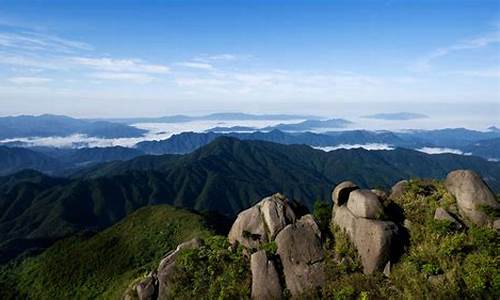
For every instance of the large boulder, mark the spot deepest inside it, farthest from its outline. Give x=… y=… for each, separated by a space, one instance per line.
x=147 y=288
x=341 y=192
x=365 y=204
x=166 y=268
x=472 y=195
x=277 y=213
x=265 y=279
x=398 y=189
x=261 y=223
x=373 y=239
x=301 y=254
x=249 y=229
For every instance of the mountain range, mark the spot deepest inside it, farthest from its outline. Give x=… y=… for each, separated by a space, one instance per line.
x=225 y=176
x=55 y=125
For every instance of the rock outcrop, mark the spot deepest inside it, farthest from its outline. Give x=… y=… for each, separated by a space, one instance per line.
x=301 y=254
x=265 y=278
x=473 y=196
x=398 y=189
x=147 y=288
x=341 y=192
x=166 y=268
x=372 y=238
x=261 y=223
x=365 y=204
x=299 y=249
x=443 y=215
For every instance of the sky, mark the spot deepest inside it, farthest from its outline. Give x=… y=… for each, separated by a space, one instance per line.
x=332 y=58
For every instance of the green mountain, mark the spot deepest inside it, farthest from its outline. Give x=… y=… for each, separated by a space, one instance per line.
x=54 y=125
x=103 y=265
x=59 y=161
x=15 y=159
x=225 y=176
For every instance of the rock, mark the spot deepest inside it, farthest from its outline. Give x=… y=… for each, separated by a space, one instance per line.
x=471 y=194
x=407 y=224
x=249 y=229
x=344 y=218
x=442 y=214
x=387 y=269
x=277 y=213
x=166 y=268
x=147 y=288
x=382 y=196
x=265 y=279
x=261 y=223
x=301 y=254
x=398 y=189
x=496 y=224
x=341 y=192
x=365 y=204
x=372 y=238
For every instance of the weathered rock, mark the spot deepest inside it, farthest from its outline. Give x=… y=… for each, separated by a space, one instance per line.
x=365 y=204
x=166 y=268
x=344 y=218
x=442 y=214
x=147 y=288
x=249 y=229
x=301 y=254
x=387 y=269
x=341 y=192
x=262 y=222
x=398 y=189
x=265 y=279
x=277 y=213
x=496 y=224
x=372 y=238
x=382 y=196
x=471 y=194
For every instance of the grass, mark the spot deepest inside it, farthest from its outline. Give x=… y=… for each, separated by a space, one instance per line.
x=102 y=266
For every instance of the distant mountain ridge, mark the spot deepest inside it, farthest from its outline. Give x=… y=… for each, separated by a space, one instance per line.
x=55 y=125
x=213 y=117
x=457 y=138
x=63 y=161
x=401 y=116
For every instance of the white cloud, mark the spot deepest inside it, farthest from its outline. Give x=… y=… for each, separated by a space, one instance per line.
x=196 y=65
x=130 y=77
x=32 y=41
x=425 y=62
x=438 y=150
x=221 y=57
x=370 y=146
x=120 y=65
x=29 y=80
x=489 y=73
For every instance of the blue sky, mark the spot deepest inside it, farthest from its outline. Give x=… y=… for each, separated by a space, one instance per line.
x=137 y=58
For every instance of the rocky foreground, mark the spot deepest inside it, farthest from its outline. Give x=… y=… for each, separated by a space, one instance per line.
x=373 y=237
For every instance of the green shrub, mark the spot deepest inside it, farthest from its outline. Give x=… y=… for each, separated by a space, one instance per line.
x=430 y=269
x=214 y=271
x=322 y=213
